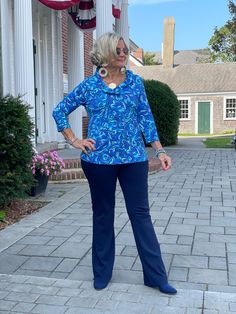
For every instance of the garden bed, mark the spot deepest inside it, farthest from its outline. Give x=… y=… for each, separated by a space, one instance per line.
x=19 y=209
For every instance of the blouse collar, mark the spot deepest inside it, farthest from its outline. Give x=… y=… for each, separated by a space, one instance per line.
x=128 y=80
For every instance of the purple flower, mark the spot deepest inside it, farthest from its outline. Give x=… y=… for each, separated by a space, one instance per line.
x=47 y=163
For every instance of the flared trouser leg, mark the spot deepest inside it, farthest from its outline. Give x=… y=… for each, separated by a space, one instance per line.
x=102 y=182
x=133 y=179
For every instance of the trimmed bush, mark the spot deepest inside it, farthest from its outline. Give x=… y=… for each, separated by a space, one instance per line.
x=16 y=130
x=165 y=109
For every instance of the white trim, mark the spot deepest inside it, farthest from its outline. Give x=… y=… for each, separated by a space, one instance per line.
x=38 y=68
x=224 y=111
x=38 y=80
x=211 y=115
x=65 y=83
x=135 y=61
x=7 y=44
x=45 y=79
x=23 y=53
x=196 y=117
x=189 y=108
x=205 y=94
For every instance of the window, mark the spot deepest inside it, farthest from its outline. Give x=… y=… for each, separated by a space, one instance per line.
x=184 y=109
x=230 y=108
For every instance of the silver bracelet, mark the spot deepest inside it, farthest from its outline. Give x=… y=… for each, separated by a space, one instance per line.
x=159 y=151
x=71 y=142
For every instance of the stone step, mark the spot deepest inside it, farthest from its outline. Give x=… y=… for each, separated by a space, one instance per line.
x=73 y=171
x=78 y=296
x=72 y=163
x=68 y=175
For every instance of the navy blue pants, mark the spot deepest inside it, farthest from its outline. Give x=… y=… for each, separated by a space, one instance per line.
x=133 y=179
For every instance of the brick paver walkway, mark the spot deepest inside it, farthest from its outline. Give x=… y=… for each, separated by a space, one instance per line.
x=45 y=259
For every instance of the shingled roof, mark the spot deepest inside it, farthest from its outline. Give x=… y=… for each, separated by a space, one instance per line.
x=184 y=56
x=193 y=78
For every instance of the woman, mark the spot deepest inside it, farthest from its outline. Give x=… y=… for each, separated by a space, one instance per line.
x=119 y=114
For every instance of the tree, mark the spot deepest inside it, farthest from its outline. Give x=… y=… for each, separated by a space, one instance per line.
x=16 y=130
x=148 y=58
x=223 y=41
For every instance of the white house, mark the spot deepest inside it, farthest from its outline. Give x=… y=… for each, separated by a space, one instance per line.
x=31 y=54
x=206 y=91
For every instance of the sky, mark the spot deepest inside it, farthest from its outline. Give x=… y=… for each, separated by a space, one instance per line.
x=195 y=21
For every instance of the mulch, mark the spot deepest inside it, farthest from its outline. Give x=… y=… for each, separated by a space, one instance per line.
x=19 y=209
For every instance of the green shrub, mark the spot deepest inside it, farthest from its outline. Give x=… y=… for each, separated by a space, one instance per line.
x=166 y=110
x=16 y=130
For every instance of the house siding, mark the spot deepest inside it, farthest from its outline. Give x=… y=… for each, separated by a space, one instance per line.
x=207 y=82
x=219 y=124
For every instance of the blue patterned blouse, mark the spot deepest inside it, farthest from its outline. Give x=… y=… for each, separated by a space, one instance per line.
x=117 y=118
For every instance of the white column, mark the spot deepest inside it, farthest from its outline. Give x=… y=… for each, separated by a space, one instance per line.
x=104 y=18
x=46 y=78
x=23 y=46
x=7 y=46
x=60 y=54
x=75 y=71
x=57 y=72
x=122 y=24
x=38 y=71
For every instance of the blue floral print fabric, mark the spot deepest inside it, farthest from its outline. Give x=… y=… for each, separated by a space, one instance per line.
x=117 y=119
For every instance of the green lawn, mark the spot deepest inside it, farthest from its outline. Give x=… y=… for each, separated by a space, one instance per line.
x=219 y=142
x=197 y=135
x=207 y=134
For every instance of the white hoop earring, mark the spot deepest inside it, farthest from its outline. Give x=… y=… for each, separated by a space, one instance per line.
x=103 y=72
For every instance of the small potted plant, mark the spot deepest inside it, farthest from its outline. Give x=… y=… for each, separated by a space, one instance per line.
x=42 y=166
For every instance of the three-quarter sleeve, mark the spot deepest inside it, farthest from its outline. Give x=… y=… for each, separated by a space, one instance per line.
x=146 y=120
x=70 y=102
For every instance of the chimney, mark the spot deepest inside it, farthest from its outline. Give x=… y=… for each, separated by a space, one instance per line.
x=168 y=49
x=139 y=54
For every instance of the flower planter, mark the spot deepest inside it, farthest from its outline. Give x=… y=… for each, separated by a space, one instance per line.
x=41 y=185
x=42 y=166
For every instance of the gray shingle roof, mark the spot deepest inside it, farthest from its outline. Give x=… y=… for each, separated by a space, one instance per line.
x=190 y=56
x=185 y=56
x=193 y=78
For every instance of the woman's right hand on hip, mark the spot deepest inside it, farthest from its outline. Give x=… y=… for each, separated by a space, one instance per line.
x=85 y=145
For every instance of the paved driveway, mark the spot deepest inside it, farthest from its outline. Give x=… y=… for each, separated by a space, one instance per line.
x=193 y=207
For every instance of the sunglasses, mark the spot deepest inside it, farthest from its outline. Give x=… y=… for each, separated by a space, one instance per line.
x=119 y=50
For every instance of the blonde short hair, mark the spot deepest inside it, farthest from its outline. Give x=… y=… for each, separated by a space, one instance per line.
x=104 y=47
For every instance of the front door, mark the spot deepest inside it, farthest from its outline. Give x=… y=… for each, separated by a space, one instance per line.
x=203 y=117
